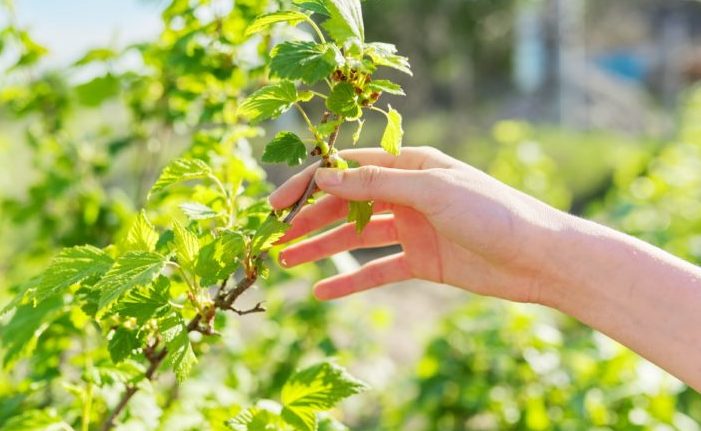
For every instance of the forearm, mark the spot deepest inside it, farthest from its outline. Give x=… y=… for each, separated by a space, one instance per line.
x=635 y=293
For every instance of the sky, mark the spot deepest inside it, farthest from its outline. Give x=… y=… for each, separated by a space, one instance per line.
x=70 y=27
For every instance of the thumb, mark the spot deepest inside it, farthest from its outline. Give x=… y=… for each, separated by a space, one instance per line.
x=369 y=183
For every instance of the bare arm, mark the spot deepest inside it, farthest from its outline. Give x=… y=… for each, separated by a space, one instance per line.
x=458 y=226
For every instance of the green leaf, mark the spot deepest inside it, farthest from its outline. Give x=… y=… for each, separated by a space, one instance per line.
x=198 y=211
x=392 y=137
x=360 y=213
x=19 y=336
x=256 y=419
x=313 y=390
x=386 y=86
x=96 y=91
x=316 y=6
x=145 y=302
x=187 y=246
x=122 y=344
x=136 y=268
x=96 y=55
x=343 y=101
x=267 y=234
x=219 y=259
x=181 y=170
x=311 y=62
x=181 y=358
x=141 y=236
x=286 y=147
x=385 y=54
x=264 y=21
x=345 y=20
x=22 y=290
x=269 y=102
x=71 y=266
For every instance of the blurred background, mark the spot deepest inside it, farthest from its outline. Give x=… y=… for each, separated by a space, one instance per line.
x=593 y=106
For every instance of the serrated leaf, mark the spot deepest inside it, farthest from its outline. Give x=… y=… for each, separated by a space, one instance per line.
x=267 y=234
x=308 y=61
x=198 y=211
x=264 y=21
x=313 y=390
x=392 y=137
x=359 y=212
x=343 y=100
x=142 y=235
x=345 y=20
x=181 y=170
x=256 y=419
x=22 y=290
x=136 y=268
x=385 y=54
x=316 y=6
x=269 y=102
x=187 y=246
x=220 y=258
x=181 y=358
x=386 y=86
x=71 y=266
x=286 y=147
x=145 y=302
x=19 y=336
x=122 y=344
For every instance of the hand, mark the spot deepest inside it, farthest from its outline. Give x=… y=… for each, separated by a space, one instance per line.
x=456 y=225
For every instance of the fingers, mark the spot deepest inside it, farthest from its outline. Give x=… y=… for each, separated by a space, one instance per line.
x=322 y=213
x=291 y=190
x=379 y=232
x=390 y=269
x=374 y=183
x=411 y=158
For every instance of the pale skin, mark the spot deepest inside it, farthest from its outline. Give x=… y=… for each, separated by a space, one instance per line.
x=458 y=226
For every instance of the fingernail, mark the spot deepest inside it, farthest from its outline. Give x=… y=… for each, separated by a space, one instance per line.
x=328 y=176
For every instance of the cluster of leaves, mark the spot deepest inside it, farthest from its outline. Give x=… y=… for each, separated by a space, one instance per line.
x=136 y=297
x=346 y=67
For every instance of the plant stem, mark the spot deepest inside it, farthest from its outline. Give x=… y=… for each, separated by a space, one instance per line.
x=224 y=299
x=317 y=30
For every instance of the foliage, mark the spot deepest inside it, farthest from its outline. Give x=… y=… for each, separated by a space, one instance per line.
x=104 y=293
x=139 y=294
x=511 y=366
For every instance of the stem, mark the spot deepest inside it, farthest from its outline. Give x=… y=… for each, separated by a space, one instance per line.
x=224 y=299
x=316 y=93
x=317 y=30
x=156 y=361
x=375 y=108
x=306 y=118
x=227 y=196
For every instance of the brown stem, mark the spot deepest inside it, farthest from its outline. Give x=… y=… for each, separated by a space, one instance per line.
x=224 y=300
x=155 y=362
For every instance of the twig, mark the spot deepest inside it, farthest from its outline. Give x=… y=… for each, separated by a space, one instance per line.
x=224 y=300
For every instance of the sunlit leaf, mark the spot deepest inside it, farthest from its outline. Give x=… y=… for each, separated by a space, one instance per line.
x=392 y=137
x=286 y=147
x=313 y=390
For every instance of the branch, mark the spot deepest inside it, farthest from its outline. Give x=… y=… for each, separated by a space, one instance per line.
x=224 y=300
x=155 y=361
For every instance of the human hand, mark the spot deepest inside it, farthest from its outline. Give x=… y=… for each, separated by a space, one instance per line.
x=455 y=224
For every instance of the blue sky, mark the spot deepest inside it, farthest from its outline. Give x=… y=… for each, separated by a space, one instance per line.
x=69 y=27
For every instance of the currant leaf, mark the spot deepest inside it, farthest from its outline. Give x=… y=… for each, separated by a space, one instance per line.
x=286 y=147
x=71 y=266
x=269 y=102
x=181 y=170
x=392 y=137
x=264 y=21
x=343 y=101
x=307 y=61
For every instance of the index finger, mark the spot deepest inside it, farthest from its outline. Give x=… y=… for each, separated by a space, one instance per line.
x=411 y=158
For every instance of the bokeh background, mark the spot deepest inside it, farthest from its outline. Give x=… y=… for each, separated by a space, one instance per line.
x=593 y=106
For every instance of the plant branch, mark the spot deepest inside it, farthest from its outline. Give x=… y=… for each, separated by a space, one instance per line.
x=224 y=299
